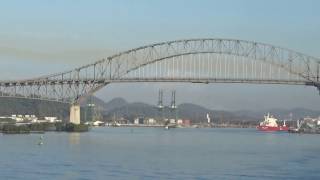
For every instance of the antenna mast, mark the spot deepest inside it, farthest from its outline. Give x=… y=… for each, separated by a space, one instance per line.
x=173 y=100
x=160 y=99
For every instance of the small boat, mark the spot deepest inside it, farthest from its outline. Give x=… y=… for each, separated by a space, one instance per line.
x=270 y=124
x=166 y=127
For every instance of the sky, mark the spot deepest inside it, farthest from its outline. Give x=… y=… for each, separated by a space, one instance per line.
x=39 y=37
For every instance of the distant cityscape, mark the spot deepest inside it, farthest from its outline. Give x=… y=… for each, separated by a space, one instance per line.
x=164 y=113
x=118 y=113
x=30 y=119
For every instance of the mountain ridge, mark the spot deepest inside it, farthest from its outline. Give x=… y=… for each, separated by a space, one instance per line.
x=121 y=108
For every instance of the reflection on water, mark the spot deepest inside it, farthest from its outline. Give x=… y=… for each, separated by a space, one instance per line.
x=156 y=153
x=74 y=138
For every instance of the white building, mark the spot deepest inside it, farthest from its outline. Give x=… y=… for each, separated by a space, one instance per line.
x=51 y=119
x=139 y=120
x=5 y=117
x=172 y=121
x=17 y=118
x=151 y=121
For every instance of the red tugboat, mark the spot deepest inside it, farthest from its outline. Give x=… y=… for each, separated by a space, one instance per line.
x=270 y=124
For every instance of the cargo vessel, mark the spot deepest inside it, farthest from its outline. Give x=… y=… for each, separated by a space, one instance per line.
x=270 y=124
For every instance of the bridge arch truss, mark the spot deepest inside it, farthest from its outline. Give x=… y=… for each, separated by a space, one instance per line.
x=192 y=60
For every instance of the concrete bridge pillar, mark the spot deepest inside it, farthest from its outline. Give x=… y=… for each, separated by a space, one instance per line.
x=75 y=114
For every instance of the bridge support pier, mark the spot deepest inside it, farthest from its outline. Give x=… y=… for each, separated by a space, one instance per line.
x=75 y=114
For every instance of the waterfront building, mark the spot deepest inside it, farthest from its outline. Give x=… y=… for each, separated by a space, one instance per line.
x=139 y=120
x=122 y=121
x=5 y=117
x=17 y=118
x=311 y=122
x=151 y=121
x=51 y=119
x=184 y=122
x=187 y=122
x=172 y=121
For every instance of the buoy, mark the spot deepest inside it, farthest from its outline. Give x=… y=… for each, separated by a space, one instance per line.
x=40 y=140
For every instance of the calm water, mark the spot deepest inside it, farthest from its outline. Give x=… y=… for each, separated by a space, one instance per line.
x=155 y=153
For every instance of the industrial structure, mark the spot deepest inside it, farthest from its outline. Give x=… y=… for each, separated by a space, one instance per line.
x=192 y=60
x=172 y=107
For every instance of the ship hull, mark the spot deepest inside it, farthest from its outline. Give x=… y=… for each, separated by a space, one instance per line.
x=271 y=129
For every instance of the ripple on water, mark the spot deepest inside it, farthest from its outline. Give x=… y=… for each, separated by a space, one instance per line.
x=119 y=153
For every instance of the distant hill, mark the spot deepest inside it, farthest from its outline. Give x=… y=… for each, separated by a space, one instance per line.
x=93 y=100
x=114 y=103
x=9 y=106
x=297 y=113
x=119 y=107
x=193 y=112
x=198 y=113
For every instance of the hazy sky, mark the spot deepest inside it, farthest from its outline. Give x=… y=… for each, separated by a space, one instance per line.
x=39 y=37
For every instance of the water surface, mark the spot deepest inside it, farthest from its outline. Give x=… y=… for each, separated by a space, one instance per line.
x=156 y=153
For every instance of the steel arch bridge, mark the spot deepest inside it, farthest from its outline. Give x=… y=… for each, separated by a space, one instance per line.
x=191 y=60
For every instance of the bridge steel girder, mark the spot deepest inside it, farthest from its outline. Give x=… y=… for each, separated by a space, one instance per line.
x=175 y=61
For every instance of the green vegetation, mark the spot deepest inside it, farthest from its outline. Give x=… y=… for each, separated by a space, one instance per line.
x=39 y=108
x=69 y=127
x=42 y=127
x=13 y=129
x=59 y=126
x=76 y=127
x=7 y=120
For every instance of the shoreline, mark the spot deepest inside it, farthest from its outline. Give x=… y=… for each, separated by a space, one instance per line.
x=177 y=126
